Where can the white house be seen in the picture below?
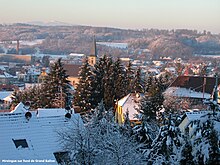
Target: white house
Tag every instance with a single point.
(128, 103)
(5, 99)
(190, 117)
(31, 136)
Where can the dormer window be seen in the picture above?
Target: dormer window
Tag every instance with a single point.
(20, 143)
(62, 157)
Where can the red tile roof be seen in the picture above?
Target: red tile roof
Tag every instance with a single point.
(196, 83)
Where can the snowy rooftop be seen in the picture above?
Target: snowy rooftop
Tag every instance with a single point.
(192, 116)
(4, 94)
(35, 138)
(5, 75)
(196, 115)
(183, 92)
(130, 103)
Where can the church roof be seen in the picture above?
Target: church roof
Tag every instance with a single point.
(72, 69)
(94, 48)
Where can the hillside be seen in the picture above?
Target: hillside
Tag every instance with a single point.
(67, 39)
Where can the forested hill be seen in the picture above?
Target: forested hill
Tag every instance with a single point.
(68, 39)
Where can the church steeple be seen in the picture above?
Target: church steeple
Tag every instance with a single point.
(93, 54)
(94, 49)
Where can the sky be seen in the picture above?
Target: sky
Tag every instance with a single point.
(128, 14)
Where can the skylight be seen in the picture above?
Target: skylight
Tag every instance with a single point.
(20, 143)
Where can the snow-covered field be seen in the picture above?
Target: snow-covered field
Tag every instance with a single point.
(114, 44)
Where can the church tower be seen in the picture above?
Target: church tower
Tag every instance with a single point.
(93, 54)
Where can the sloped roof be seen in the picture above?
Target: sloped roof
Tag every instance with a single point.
(195, 83)
(192, 116)
(130, 103)
(72, 69)
(183, 92)
(122, 101)
(40, 133)
(4, 94)
(20, 108)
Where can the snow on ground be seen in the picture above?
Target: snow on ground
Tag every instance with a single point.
(114, 44)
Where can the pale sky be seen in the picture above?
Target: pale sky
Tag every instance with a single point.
(134, 14)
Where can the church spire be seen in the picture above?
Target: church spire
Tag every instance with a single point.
(94, 49)
(93, 54)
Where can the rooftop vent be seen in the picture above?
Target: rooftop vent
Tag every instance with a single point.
(28, 115)
(68, 115)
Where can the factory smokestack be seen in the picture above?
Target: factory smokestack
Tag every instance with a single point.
(17, 48)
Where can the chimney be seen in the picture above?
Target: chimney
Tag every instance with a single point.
(17, 48)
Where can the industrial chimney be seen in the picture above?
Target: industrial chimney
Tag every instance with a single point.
(17, 48)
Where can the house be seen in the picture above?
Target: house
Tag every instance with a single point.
(32, 136)
(196, 88)
(189, 118)
(5, 78)
(128, 103)
(5, 99)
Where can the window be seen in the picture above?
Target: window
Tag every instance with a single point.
(62, 157)
(20, 143)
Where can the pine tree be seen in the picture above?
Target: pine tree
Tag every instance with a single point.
(205, 140)
(186, 153)
(83, 95)
(99, 73)
(118, 78)
(56, 86)
(109, 93)
(166, 146)
(16, 98)
(129, 78)
(138, 83)
(152, 102)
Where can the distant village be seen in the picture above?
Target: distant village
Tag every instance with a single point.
(168, 97)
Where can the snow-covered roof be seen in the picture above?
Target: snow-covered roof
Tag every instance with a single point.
(38, 135)
(122, 101)
(50, 112)
(5, 75)
(20, 108)
(183, 92)
(196, 115)
(130, 103)
(4, 94)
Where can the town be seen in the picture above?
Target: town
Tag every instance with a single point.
(104, 108)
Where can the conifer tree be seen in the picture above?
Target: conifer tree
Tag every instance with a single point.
(205, 141)
(129, 78)
(166, 145)
(109, 93)
(99, 73)
(186, 153)
(83, 95)
(56, 86)
(119, 77)
(138, 83)
(16, 98)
